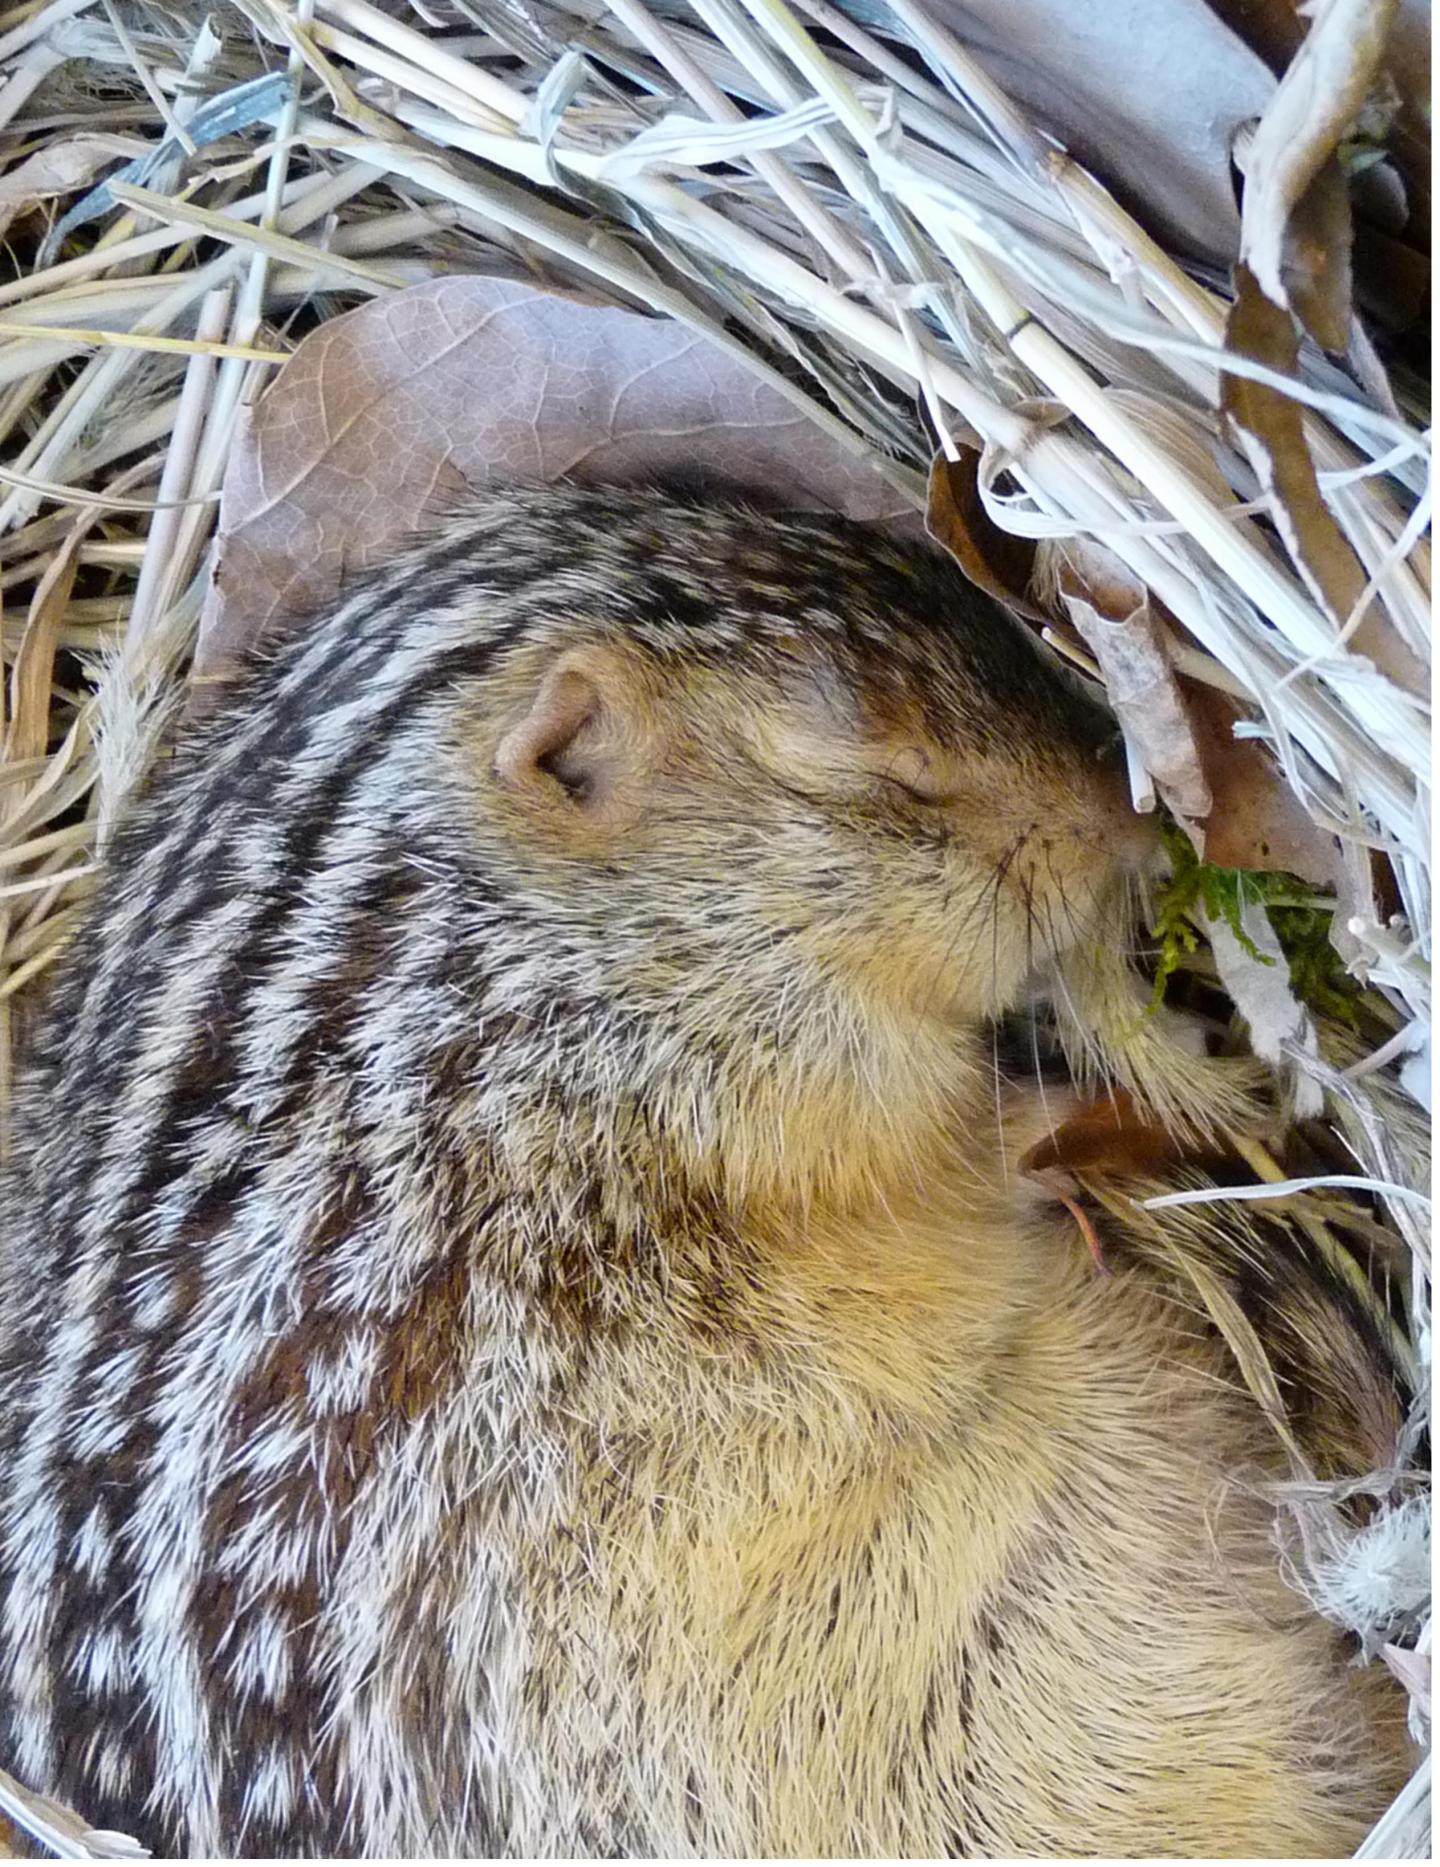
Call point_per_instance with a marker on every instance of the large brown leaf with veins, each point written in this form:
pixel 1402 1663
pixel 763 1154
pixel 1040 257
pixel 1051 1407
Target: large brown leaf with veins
pixel 384 412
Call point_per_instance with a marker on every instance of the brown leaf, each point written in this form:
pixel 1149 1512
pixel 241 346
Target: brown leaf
pixel 1316 262
pixel 1106 1137
pixel 1232 790
pixel 469 379
pixel 1255 821
pixel 1322 92
pixel 1271 428
pixel 1391 255
pixel 1111 609
pixel 996 561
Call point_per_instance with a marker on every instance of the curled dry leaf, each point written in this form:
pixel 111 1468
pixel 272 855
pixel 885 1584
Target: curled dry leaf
pixel 381 413
pixel 1111 609
pixel 1317 264
pixel 1106 1138
pixel 1391 199
pixel 997 562
pixel 58 169
pixel 1271 428
pixel 1295 199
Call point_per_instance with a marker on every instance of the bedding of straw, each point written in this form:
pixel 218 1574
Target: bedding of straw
pixel 837 195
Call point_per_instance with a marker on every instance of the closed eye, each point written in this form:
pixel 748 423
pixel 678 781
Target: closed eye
pixel 911 773
pixel 909 792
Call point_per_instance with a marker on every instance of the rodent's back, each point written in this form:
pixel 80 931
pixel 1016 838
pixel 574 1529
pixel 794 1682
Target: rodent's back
pixel 519 1338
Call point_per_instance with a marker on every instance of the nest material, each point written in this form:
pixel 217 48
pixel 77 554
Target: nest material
pixel 839 194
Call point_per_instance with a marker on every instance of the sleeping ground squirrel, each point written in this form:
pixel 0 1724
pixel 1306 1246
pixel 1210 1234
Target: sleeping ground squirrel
pixel 519 1338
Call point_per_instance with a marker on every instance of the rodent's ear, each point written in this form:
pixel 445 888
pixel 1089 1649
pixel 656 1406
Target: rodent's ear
pixel 574 741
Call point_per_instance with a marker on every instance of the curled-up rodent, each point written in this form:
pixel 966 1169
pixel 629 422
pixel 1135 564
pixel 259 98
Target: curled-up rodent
pixel 520 1336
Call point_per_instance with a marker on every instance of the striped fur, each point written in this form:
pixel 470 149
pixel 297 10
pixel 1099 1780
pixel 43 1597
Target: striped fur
pixel 517 1335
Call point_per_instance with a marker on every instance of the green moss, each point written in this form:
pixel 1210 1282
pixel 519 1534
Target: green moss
pixel 1317 973
pixel 1201 890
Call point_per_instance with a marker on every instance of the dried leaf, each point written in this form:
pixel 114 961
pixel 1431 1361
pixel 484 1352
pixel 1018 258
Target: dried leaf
pixel 427 390
pixel 1275 29
pixel 28 714
pixel 1316 265
pixel 59 168
pixel 1107 1137
pixel 1319 97
pixel 1111 609
pixel 1272 430
pixel 1257 978
pixel 1231 791
pixel 997 562
pixel 1255 821
pixel 1412 1669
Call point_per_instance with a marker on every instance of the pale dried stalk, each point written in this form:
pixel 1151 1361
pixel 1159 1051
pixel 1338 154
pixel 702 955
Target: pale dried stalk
pixel 664 47
pixel 156 581
pixel 260 239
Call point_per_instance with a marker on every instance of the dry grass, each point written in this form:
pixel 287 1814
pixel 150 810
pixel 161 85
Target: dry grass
pixel 886 229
